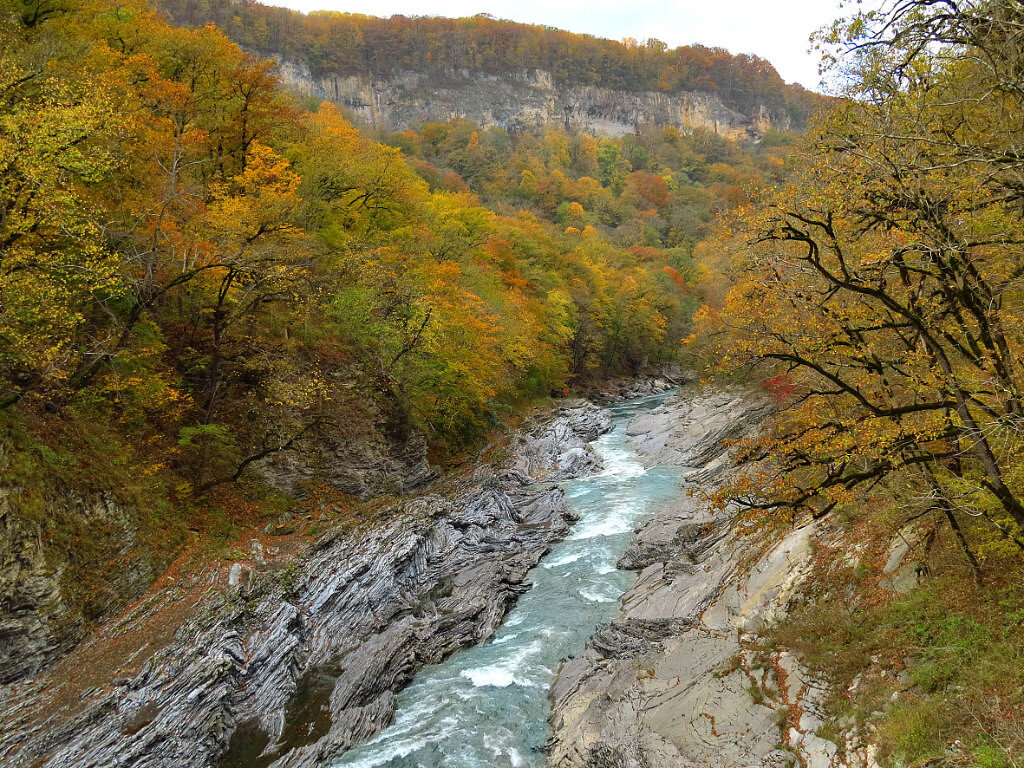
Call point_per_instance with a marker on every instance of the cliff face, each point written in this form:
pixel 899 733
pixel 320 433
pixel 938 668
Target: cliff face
pixel 525 100
pixel 51 590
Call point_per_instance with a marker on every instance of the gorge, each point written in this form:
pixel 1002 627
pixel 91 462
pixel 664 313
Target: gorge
pixel 296 665
pixel 422 392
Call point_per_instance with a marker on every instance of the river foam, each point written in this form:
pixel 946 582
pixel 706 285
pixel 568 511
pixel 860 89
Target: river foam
pixel 487 706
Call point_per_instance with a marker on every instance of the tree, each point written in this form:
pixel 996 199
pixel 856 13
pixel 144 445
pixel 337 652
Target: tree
pixel 878 292
pixel 614 168
pixel 54 264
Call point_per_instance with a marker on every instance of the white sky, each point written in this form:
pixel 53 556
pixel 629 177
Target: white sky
pixel 776 30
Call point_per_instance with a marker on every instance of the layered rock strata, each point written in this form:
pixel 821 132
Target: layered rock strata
pixel 73 559
pixel 525 101
pixel 680 678
pixel 289 667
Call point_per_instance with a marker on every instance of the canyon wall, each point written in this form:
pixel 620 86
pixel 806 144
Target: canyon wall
pixel 524 101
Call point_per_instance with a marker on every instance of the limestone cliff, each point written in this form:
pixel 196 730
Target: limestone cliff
pixel 525 100
pixel 401 71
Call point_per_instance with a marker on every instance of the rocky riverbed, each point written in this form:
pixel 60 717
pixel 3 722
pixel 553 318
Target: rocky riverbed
pixel 290 665
pixel 289 661
pixel 680 677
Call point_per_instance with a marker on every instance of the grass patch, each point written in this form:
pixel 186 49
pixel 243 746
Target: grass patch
pixel 937 671
pixel 915 731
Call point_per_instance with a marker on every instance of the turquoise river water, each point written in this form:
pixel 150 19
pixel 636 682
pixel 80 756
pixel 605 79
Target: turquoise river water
pixel 487 706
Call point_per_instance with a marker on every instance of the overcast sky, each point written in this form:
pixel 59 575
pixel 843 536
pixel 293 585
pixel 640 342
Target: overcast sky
pixel 777 30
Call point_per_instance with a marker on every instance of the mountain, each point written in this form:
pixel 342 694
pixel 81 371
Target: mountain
pixel 399 72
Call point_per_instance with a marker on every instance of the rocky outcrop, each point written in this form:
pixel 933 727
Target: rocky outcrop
pixel 291 666
pixel 617 390
pixel 525 100
pixel 359 458
pixel 556 447
pixel 680 677
pixel 35 621
pixel 83 557
pixel 693 432
pixel 51 590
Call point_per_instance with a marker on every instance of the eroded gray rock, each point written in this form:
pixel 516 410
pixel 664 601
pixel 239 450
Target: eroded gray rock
pixel 84 556
pixel 555 446
pixel 289 668
pixel 676 679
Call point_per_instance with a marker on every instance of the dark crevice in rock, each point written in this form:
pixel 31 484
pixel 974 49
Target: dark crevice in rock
pixel 245 750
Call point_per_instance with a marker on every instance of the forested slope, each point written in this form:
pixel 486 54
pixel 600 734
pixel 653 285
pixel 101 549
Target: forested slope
pixel 353 44
pixel 877 296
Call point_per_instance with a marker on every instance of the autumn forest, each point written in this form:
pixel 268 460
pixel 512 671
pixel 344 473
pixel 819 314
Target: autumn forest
pixel 205 277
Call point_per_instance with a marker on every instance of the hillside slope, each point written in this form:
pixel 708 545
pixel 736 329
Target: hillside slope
pixel 396 73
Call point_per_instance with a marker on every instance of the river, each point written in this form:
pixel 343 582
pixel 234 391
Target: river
pixel 487 706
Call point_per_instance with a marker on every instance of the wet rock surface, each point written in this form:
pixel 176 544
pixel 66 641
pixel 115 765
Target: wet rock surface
pixel 679 678
pixel 617 390
pixel 288 667
pixel 555 447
